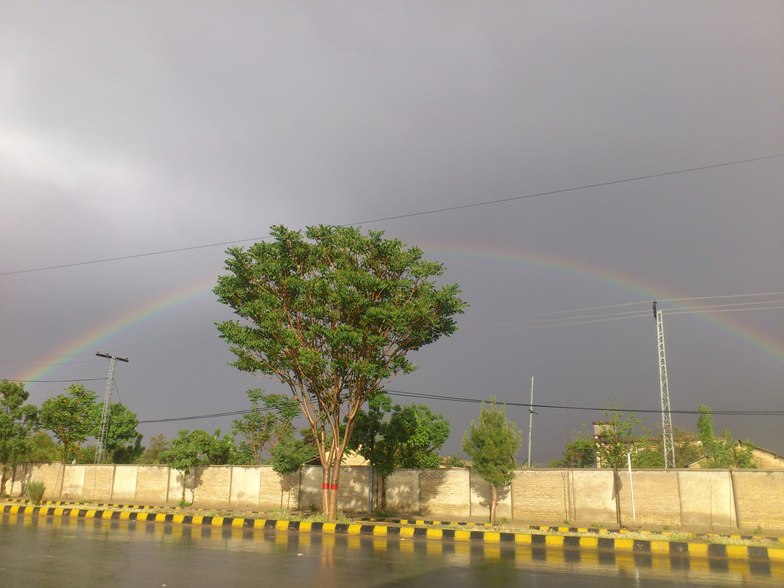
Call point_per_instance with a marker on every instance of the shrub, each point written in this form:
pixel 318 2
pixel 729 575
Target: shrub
pixel 35 491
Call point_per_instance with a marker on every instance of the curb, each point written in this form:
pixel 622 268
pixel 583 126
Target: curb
pixel 402 528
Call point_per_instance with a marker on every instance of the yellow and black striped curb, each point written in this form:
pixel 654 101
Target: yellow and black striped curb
pixel 636 546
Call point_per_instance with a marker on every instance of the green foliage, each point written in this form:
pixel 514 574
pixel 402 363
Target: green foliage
pixel 332 313
pixel 154 452
pixel 269 422
pixel 72 417
pixel 616 437
pixel 191 449
pixel 43 449
pixel 121 430
pixel 290 453
pixel 129 453
pixel 491 443
pixel 580 452
pixel 721 452
pixel 453 461
pixel 418 434
pixel 35 491
pixel 18 420
pixel 398 437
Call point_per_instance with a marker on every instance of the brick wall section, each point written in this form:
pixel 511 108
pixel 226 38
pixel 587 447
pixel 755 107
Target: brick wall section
pixel 656 497
pixel 704 498
pixel 482 497
pixel 212 486
pixel 445 493
pixel 245 486
pixel 760 497
pixel 540 495
pixel 125 481
pixel 152 485
pixel 403 491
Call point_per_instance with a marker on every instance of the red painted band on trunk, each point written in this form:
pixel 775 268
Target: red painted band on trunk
pixel 325 486
pixel 333 487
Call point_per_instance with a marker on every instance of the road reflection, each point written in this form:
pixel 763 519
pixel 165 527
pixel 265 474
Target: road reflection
pixel 129 553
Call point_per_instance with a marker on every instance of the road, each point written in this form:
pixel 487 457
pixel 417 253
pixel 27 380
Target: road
pixel 61 552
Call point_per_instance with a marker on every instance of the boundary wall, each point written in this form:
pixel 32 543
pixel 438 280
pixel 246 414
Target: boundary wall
pixel 714 499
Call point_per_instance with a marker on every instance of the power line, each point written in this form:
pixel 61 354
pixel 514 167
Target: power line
pixel 480 401
pixel 413 214
pixel 205 416
pixel 585 408
pixel 647 304
pixel 566 320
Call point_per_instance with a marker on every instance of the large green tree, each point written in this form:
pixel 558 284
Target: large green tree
pixel 332 313
pixel 72 417
pixel 491 443
pixel 18 420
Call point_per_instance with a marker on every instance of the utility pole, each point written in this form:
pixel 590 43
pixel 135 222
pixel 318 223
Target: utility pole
pixel 667 442
pixel 100 450
pixel 530 422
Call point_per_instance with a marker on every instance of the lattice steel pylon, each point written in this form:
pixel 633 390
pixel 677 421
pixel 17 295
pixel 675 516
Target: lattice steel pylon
pixel 100 450
pixel 667 442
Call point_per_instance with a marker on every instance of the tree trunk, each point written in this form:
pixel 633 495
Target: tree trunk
pixel 3 480
pixel 494 504
pixel 384 493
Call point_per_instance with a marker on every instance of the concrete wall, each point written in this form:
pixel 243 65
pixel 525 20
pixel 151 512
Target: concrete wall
pixel 717 499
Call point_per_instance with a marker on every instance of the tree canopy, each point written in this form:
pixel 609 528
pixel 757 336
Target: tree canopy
pixel 18 420
pixel 399 437
pixel 332 313
pixel 72 417
pixel 269 422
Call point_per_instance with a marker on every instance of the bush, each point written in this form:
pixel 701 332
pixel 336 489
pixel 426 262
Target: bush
pixel 35 491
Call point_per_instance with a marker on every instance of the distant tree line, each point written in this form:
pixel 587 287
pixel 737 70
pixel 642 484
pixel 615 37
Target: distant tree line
pixel 621 433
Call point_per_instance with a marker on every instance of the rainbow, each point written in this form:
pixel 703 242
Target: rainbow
pixel 641 287
pixel 646 289
pixel 88 340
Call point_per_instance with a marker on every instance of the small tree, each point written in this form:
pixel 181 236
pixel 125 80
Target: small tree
pixel 721 452
pixel 153 453
pixel 332 314
pixel 616 437
pixel 72 417
pixel 492 443
pixel 192 449
pixel 121 431
pixel 18 420
pixel 269 421
pixel 580 452
pixel 400 437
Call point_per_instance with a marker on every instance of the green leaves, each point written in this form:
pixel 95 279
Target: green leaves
pixel 491 443
pixel 332 313
pixel 72 417
pixel 400 437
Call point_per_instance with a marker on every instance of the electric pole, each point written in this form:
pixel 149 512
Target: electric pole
pixel 530 422
pixel 100 450
pixel 667 442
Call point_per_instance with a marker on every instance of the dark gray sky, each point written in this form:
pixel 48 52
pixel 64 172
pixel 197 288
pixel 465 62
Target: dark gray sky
pixel 128 128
